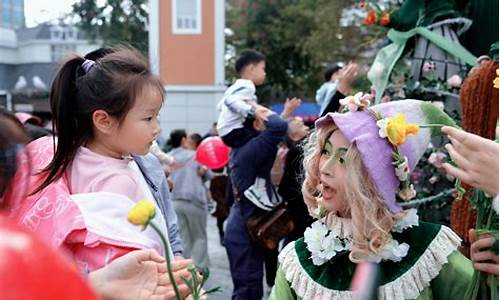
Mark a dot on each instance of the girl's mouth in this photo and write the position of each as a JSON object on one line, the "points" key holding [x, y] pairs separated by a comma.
{"points": [[327, 192]]}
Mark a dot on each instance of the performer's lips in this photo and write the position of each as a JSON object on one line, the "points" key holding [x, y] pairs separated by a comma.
{"points": [[327, 192]]}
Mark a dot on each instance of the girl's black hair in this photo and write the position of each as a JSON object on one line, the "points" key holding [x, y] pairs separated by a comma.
{"points": [[112, 84], [176, 137]]}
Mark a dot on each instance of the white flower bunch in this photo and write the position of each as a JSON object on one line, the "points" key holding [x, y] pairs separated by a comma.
{"points": [[323, 243], [356, 102]]}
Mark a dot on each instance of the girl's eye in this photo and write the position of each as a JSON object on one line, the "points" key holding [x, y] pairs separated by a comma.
{"points": [[149, 119], [341, 160], [325, 152]]}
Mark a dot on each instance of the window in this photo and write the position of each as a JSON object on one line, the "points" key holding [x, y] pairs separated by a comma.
{"points": [[6, 17], [5, 4], [186, 16], [18, 19]]}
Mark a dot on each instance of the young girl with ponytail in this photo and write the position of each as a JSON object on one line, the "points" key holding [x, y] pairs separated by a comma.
{"points": [[105, 112]]}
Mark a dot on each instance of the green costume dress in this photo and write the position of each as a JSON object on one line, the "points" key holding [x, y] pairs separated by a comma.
{"points": [[432, 269]]}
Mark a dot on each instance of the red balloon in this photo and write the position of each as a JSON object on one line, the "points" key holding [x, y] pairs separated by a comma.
{"points": [[213, 153], [29, 269]]}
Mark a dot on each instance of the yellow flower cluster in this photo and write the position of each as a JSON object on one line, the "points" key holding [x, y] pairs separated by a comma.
{"points": [[396, 129], [496, 82], [142, 212]]}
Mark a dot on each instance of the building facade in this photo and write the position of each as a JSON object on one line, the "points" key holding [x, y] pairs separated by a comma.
{"points": [[29, 58], [186, 49], [12, 14]]}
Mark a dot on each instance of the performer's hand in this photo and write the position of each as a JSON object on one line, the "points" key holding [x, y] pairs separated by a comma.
{"points": [[483, 259]]}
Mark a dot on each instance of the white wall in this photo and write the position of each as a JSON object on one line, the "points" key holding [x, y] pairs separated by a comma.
{"points": [[193, 109], [8, 55], [34, 53]]}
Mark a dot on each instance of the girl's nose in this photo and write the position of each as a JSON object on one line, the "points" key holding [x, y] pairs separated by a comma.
{"points": [[157, 128], [327, 167]]}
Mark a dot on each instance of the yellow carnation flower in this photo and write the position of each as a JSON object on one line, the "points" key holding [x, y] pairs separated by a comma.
{"points": [[396, 129], [142, 212]]}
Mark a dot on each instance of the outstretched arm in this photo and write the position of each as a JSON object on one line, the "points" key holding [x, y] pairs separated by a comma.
{"points": [[476, 159], [140, 274]]}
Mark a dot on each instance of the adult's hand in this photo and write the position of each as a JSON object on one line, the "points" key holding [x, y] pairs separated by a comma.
{"points": [[476, 159], [140, 274], [290, 106], [483, 259], [347, 75], [262, 113]]}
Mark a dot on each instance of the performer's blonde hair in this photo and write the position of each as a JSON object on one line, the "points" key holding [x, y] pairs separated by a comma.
{"points": [[372, 221]]}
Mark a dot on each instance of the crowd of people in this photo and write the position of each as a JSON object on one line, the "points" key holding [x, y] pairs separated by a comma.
{"points": [[299, 205]]}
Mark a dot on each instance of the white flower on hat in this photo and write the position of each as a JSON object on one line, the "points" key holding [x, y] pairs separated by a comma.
{"points": [[354, 103], [407, 193], [403, 170], [382, 123]]}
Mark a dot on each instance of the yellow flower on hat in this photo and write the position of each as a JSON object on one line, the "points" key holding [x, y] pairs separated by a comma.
{"points": [[142, 212], [396, 129], [496, 82]]}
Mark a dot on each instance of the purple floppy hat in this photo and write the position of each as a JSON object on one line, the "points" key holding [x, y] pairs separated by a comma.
{"points": [[360, 128]]}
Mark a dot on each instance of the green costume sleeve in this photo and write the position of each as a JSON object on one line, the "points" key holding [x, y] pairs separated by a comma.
{"points": [[281, 289], [454, 278]]}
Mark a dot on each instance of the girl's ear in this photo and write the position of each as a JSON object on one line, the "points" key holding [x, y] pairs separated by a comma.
{"points": [[103, 122]]}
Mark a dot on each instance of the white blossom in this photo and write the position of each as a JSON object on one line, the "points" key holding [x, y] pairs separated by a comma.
{"points": [[403, 170], [407, 193], [409, 220]]}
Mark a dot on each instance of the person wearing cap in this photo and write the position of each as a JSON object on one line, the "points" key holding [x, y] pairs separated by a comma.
{"points": [[338, 81], [357, 168], [247, 164]]}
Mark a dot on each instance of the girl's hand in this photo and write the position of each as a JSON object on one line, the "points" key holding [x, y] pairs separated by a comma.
{"points": [[483, 259]]}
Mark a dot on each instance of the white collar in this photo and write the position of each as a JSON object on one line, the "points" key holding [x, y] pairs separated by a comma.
{"points": [[332, 234]]}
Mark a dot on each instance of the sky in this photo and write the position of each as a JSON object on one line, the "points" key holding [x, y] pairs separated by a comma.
{"points": [[37, 11]]}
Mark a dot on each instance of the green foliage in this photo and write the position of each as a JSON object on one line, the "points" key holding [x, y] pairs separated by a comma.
{"points": [[299, 38], [114, 22]]}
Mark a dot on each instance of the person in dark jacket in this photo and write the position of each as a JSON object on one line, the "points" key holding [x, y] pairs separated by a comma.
{"points": [[345, 78], [291, 182], [253, 159]]}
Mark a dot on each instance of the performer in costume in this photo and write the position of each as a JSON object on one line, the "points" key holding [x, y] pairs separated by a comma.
{"points": [[357, 165]]}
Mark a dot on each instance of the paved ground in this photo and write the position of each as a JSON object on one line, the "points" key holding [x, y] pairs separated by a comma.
{"points": [[219, 265]]}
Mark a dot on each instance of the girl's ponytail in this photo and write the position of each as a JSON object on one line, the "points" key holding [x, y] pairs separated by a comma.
{"points": [[63, 104]]}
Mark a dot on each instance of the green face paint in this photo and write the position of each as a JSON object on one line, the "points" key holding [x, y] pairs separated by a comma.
{"points": [[333, 157]]}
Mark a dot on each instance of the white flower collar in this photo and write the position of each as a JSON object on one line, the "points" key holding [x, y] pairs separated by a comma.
{"points": [[331, 235]]}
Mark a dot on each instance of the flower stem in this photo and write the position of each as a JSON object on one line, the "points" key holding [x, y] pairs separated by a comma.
{"points": [[431, 125], [168, 258]]}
